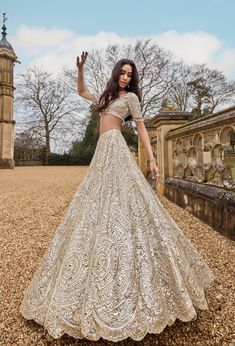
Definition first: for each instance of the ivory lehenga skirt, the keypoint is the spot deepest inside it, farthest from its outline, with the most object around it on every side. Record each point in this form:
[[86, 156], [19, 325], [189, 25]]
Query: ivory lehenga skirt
[[118, 265]]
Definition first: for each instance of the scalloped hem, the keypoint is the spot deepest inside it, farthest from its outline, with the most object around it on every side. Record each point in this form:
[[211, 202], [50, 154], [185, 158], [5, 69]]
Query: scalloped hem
[[154, 328]]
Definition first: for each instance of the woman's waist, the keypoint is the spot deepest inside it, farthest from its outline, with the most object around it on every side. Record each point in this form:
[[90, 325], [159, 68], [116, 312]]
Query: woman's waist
[[111, 114], [109, 121]]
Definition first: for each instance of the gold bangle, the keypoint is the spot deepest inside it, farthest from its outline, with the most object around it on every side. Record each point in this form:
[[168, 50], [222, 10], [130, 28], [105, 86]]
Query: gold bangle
[[152, 160]]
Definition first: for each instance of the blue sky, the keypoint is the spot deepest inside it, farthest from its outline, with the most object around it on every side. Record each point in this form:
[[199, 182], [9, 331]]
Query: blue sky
[[129, 17], [197, 31]]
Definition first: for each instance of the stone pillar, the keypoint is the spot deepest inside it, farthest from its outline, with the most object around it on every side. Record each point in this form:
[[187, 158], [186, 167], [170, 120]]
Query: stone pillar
[[158, 127], [7, 60], [142, 156]]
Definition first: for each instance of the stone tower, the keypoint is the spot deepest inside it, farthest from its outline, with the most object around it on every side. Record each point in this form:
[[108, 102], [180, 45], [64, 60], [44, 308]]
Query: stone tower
[[7, 61]]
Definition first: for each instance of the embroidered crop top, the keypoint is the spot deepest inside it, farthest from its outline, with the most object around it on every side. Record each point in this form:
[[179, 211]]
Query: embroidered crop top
[[123, 106]]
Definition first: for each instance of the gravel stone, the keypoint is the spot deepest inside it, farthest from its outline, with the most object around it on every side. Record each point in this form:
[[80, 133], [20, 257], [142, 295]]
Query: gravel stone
[[32, 202]]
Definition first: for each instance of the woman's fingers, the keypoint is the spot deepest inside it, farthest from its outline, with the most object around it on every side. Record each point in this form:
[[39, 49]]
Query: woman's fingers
[[81, 60], [155, 175], [84, 56]]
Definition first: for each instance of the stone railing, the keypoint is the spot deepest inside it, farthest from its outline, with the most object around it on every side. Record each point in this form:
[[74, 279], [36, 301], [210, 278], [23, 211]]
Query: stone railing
[[197, 164], [201, 150]]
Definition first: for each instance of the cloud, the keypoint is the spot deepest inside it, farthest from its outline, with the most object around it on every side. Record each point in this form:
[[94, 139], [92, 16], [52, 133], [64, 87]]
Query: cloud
[[193, 47], [55, 48], [226, 63], [35, 41]]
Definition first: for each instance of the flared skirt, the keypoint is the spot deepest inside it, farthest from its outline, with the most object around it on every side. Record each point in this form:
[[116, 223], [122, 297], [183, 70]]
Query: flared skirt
[[117, 265]]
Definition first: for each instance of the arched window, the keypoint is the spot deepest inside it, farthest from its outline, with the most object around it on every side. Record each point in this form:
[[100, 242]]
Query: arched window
[[232, 139]]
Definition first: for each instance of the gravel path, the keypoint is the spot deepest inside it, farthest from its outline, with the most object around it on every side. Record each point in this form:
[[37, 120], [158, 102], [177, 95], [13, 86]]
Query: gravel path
[[31, 204]]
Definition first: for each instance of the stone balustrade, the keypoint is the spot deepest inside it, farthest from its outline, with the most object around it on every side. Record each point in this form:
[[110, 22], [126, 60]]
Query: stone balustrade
[[200, 153], [202, 150]]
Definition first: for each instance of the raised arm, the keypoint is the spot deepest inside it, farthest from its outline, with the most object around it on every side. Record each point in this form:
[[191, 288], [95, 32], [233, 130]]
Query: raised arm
[[81, 85]]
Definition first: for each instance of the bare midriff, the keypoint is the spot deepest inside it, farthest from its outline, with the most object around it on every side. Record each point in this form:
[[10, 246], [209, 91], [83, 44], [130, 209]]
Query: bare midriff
[[109, 121]]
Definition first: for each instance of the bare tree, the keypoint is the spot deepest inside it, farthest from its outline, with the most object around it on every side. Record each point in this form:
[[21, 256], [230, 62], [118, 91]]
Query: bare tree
[[199, 89], [209, 90], [156, 73], [96, 73], [46, 107], [179, 93], [195, 89], [26, 141], [153, 63], [27, 147]]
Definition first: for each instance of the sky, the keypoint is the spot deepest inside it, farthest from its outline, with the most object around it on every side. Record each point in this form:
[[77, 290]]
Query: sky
[[52, 33]]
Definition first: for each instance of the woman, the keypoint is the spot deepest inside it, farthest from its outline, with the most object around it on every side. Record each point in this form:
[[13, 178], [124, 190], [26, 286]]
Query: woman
[[118, 265], [122, 87]]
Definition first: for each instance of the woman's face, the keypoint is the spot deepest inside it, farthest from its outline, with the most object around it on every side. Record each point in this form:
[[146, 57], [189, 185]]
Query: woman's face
[[125, 76]]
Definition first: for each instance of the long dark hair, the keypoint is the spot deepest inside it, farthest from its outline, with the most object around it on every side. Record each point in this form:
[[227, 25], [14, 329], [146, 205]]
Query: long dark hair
[[111, 92]]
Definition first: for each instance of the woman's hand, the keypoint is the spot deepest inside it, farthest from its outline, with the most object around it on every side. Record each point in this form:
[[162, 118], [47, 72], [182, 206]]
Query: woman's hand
[[81, 61], [154, 171]]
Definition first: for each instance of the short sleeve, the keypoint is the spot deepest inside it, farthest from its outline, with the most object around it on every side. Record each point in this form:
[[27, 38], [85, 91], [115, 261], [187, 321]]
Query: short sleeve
[[134, 107]]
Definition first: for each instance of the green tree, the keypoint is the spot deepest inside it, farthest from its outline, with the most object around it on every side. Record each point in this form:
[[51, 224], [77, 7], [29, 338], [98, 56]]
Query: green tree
[[83, 151], [130, 136], [201, 93], [209, 90]]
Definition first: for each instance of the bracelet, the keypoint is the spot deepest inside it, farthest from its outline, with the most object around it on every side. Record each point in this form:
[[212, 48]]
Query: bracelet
[[152, 160]]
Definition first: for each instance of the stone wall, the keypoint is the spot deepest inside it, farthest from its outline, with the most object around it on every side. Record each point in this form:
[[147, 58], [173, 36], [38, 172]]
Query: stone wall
[[201, 151], [213, 205], [197, 163]]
